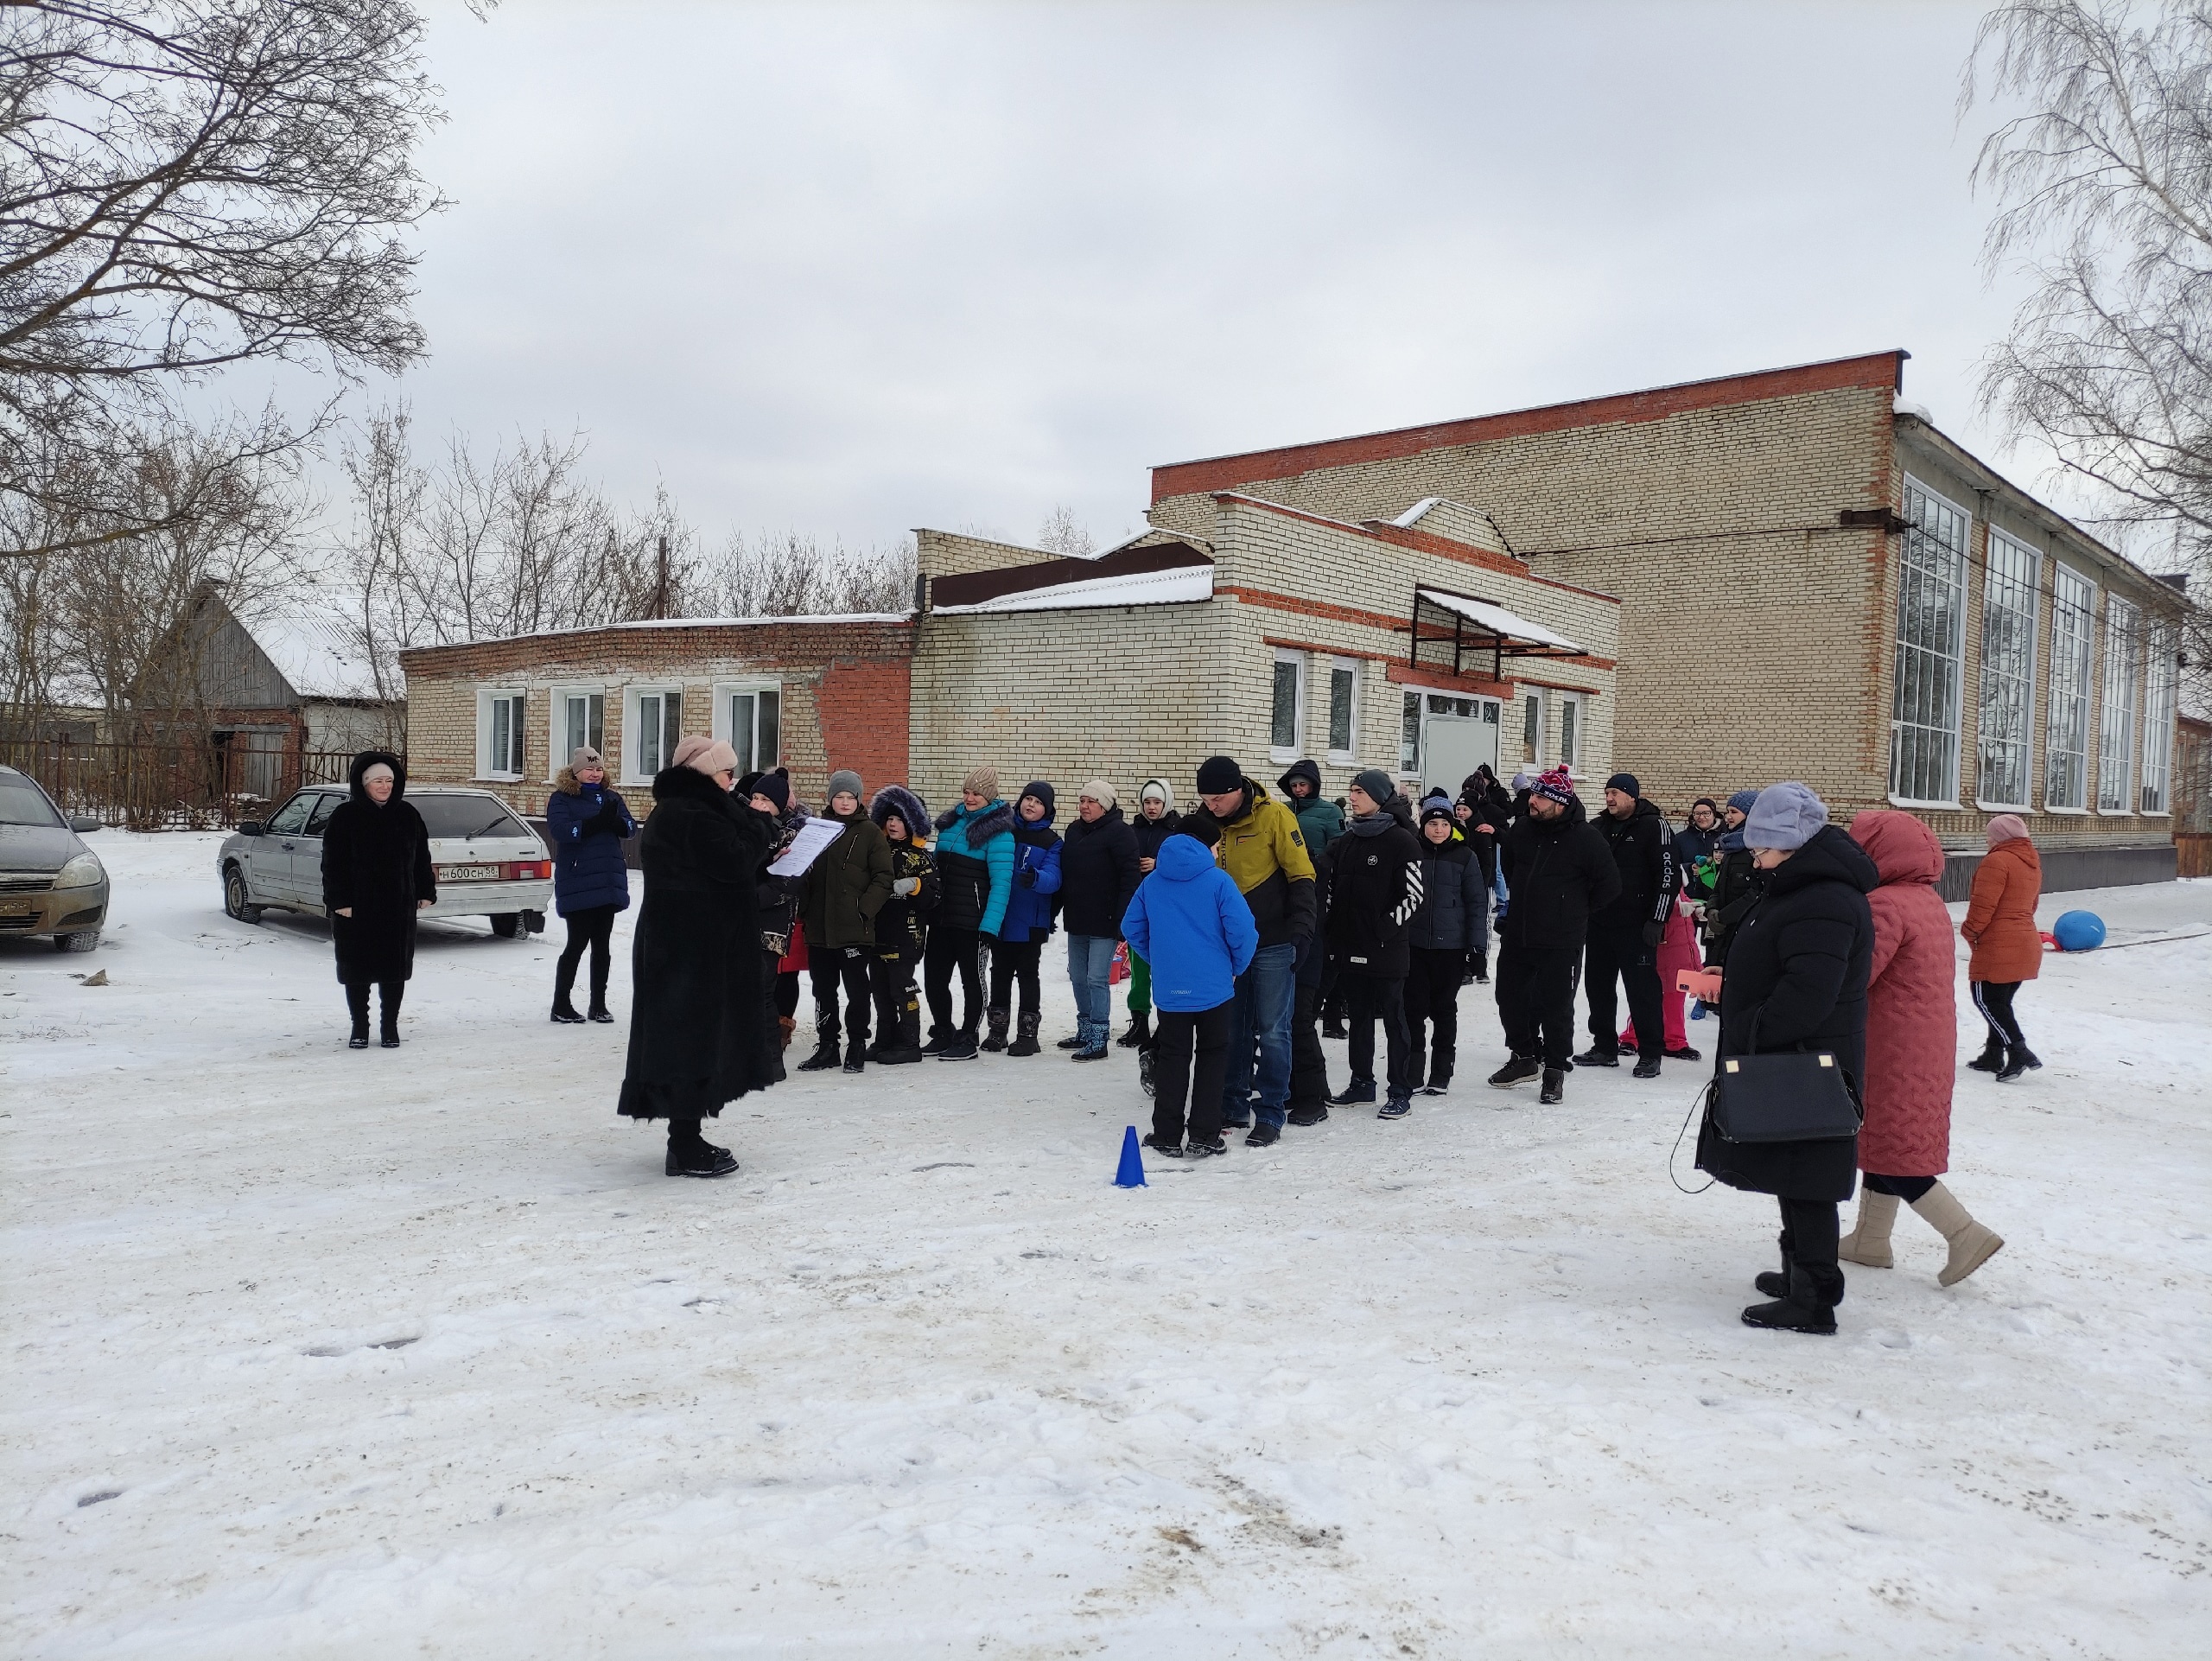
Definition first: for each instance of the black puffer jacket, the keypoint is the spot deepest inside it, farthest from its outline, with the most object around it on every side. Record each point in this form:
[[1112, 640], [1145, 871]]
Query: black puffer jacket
[[1098, 873], [1375, 888], [700, 1018], [1643, 847], [1150, 833], [1453, 893], [1736, 889], [376, 864], [1558, 872], [1796, 980]]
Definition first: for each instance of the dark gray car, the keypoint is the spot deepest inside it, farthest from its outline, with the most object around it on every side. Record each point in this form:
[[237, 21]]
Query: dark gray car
[[51, 884]]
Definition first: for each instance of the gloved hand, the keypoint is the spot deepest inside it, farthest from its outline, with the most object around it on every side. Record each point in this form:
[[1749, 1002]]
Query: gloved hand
[[1024, 879], [609, 817], [1653, 932], [906, 885]]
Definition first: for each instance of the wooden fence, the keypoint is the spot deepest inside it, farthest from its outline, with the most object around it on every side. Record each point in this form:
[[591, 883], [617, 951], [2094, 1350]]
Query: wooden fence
[[192, 784]]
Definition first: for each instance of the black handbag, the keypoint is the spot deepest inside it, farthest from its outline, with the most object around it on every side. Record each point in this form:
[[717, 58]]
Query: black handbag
[[1789, 1096]]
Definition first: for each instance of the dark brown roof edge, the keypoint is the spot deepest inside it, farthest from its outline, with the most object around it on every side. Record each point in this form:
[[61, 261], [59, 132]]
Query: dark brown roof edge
[[976, 587]]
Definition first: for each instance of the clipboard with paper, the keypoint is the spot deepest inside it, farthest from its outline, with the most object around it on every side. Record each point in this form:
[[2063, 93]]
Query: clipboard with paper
[[806, 847]]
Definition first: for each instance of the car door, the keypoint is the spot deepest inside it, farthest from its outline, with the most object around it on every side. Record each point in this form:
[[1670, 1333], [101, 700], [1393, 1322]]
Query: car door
[[271, 868], [306, 861]]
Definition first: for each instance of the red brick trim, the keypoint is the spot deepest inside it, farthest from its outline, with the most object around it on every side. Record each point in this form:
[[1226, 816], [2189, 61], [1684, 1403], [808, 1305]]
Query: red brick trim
[[1438, 680], [1427, 542], [1880, 370]]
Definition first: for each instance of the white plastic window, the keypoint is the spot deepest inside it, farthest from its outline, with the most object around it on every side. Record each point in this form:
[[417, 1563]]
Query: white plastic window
[[1287, 705], [1931, 625], [2116, 728], [2066, 727], [499, 733], [2008, 673]]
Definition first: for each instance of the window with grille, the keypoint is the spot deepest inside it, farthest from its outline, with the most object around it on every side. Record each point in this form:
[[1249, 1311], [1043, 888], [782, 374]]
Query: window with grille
[[655, 726], [2008, 672], [1344, 706], [2066, 727], [2116, 726], [498, 734], [1931, 623], [1289, 692], [2160, 680]]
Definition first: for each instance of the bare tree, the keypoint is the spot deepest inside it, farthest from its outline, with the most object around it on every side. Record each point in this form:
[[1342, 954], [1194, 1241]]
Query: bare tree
[[2104, 196], [791, 575], [186, 185], [1062, 534]]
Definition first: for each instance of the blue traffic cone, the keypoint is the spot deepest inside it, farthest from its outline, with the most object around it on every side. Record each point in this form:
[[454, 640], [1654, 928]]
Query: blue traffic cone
[[1131, 1175]]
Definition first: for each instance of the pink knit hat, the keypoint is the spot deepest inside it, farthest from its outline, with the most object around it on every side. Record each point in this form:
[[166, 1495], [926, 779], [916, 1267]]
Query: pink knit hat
[[704, 755], [2007, 827]]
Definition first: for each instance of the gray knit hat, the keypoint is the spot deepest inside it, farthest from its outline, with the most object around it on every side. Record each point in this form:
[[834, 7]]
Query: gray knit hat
[[1786, 816], [845, 780]]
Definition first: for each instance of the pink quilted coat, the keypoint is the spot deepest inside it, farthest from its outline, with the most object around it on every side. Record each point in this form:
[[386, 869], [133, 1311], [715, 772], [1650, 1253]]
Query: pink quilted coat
[[1913, 1011]]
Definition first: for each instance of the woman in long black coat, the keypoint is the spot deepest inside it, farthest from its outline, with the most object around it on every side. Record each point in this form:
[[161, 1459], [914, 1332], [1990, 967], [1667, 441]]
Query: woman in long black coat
[[1796, 980], [699, 1031], [376, 875]]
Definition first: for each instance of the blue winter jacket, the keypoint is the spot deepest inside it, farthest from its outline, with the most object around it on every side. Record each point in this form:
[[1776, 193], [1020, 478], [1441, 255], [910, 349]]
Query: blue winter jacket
[[588, 867], [1189, 922], [1029, 910]]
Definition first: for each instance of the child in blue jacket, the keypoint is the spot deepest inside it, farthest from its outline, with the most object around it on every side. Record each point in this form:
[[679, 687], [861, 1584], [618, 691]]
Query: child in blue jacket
[[1190, 923]]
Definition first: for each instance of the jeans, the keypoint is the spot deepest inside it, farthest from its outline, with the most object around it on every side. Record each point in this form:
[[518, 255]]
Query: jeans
[[1090, 959], [1259, 1020], [1182, 1031]]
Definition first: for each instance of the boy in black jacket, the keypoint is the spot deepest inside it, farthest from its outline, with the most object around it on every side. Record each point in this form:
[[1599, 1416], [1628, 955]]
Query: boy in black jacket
[[1375, 888], [901, 930]]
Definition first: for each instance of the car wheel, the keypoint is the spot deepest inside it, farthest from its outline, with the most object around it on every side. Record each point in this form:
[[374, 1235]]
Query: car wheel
[[83, 940], [234, 896], [506, 924]]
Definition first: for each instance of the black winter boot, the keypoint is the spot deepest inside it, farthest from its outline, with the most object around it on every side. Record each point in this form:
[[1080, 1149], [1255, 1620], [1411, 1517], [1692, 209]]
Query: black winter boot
[[959, 1047], [1139, 1031], [1992, 1058], [357, 1004], [1772, 1284], [1554, 1089], [902, 1046], [1517, 1071], [564, 983], [599, 1009], [389, 993], [826, 1054], [1810, 1307], [1024, 1039], [994, 1036], [855, 1057], [2018, 1058]]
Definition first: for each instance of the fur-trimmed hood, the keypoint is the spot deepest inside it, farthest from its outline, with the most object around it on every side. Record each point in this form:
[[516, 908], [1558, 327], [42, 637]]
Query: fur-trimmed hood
[[907, 805], [568, 784], [981, 826]]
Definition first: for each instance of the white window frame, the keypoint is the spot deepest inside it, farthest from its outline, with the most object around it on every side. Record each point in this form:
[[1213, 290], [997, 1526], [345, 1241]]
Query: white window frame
[[633, 731], [1348, 755], [1522, 699], [1579, 703], [557, 747], [1917, 741], [2076, 651], [748, 756], [1284, 655], [2116, 735], [517, 728], [2161, 697], [1410, 707], [2001, 589]]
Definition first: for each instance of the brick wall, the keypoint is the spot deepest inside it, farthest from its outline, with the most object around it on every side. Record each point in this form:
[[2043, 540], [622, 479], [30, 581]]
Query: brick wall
[[843, 681], [950, 553]]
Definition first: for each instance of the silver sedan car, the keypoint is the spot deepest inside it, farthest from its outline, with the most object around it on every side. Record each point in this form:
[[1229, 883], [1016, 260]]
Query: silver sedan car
[[50, 883], [489, 862]]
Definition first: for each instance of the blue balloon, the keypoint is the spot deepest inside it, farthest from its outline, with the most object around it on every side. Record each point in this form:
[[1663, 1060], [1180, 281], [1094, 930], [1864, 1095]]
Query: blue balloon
[[2079, 930]]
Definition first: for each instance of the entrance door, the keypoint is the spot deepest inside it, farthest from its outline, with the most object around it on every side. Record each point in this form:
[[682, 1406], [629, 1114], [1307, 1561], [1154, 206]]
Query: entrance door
[[1458, 736]]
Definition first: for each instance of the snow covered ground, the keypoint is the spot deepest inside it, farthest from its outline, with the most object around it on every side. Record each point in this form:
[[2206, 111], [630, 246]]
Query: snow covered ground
[[313, 1352]]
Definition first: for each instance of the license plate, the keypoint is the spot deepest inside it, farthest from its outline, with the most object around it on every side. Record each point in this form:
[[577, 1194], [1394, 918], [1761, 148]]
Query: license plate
[[469, 874], [16, 907]]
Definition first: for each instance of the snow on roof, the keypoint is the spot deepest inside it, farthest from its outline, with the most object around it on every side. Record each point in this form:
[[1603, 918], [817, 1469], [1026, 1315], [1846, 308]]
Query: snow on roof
[[1179, 585], [313, 654], [1412, 516], [1498, 621]]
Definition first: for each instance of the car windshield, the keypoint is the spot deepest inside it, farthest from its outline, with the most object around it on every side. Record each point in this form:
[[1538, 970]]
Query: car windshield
[[460, 818], [22, 802]]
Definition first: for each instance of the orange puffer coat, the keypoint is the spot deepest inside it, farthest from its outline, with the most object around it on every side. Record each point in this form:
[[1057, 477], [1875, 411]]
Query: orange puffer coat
[[2000, 921], [1912, 1005]]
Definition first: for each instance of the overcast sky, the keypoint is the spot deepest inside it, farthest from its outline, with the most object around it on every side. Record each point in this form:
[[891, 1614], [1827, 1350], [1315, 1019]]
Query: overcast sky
[[850, 270]]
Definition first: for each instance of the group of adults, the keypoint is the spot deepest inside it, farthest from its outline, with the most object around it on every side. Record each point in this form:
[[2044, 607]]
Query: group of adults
[[1243, 919]]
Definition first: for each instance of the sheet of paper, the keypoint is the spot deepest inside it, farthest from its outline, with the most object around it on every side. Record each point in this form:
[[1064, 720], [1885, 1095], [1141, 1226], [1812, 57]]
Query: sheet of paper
[[806, 847]]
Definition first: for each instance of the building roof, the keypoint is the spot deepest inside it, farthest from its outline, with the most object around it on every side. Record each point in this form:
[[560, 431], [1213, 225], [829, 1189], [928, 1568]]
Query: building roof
[[1495, 620], [311, 650], [1135, 573], [1177, 585], [1880, 371]]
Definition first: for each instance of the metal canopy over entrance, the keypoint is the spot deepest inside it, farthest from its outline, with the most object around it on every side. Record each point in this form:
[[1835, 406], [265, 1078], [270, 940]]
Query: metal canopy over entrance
[[1450, 629]]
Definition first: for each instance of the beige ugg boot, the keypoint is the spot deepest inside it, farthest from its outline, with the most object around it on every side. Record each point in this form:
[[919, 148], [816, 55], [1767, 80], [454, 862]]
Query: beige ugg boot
[[1972, 1245], [1869, 1243]]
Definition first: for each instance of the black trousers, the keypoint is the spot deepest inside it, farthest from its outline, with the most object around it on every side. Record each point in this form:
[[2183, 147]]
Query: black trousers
[[1810, 1235], [1367, 1001], [1621, 953], [1180, 1035], [1910, 1189], [1433, 1009], [787, 987], [949, 948], [1536, 1000], [830, 968], [1994, 1000], [589, 927], [1014, 965], [892, 974], [1309, 1063], [357, 1002]]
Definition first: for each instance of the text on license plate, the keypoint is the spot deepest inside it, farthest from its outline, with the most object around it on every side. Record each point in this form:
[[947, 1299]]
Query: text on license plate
[[16, 907], [468, 873]]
